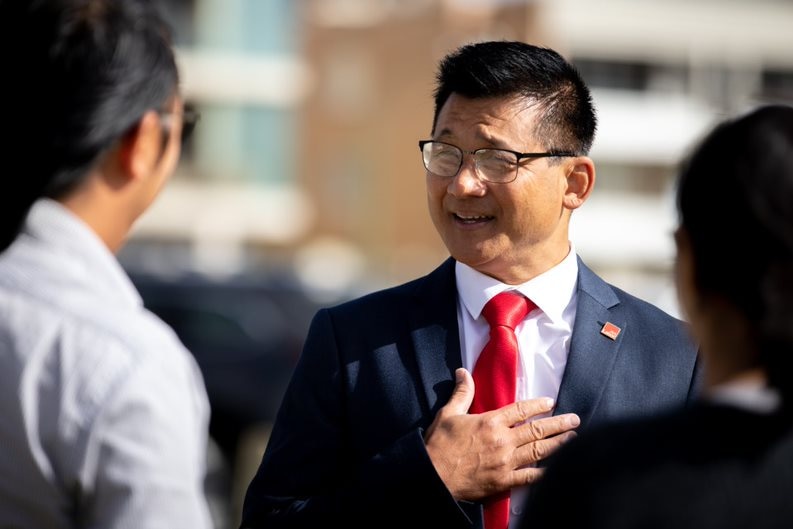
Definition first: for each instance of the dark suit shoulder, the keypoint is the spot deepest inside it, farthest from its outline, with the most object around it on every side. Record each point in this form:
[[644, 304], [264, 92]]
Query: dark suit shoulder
[[653, 324], [719, 466], [645, 309], [696, 433], [610, 296]]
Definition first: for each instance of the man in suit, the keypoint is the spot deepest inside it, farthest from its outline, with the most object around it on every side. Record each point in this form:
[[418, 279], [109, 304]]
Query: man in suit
[[374, 429]]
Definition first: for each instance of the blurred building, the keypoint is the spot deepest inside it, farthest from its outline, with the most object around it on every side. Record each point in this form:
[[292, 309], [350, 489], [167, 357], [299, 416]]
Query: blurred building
[[306, 154]]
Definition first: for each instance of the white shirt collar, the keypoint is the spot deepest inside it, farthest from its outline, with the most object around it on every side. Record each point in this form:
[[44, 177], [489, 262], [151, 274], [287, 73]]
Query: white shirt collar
[[79, 250], [551, 291], [751, 395]]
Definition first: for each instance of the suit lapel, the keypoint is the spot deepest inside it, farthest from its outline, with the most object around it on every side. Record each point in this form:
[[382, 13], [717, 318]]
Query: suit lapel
[[592, 355], [435, 335]]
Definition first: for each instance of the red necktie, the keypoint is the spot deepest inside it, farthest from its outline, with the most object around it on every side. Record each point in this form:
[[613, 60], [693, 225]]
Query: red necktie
[[495, 377]]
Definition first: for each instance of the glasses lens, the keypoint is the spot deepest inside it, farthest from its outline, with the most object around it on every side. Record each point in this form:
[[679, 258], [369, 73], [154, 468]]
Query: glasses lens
[[442, 159], [496, 165]]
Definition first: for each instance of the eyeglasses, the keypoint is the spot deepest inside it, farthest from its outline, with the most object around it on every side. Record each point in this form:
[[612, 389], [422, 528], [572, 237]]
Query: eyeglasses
[[190, 118], [499, 166]]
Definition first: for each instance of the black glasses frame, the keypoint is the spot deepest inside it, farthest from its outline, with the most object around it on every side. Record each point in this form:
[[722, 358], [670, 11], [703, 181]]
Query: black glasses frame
[[518, 155]]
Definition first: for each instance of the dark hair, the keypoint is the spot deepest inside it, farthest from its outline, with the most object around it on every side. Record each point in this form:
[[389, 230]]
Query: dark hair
[[506, 68], [78, 74], [735, 201]]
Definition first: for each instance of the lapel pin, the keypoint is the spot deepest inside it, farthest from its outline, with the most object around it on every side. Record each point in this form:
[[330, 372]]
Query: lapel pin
[[610, 330]]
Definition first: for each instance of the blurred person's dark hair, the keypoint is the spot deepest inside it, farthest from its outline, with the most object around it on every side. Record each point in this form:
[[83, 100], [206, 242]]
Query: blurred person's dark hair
[[542, 76], [78, 75], [735, 201]]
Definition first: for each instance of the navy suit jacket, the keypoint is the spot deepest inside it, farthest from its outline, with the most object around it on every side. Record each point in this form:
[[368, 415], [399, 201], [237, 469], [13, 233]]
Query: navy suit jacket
[[347, 446]]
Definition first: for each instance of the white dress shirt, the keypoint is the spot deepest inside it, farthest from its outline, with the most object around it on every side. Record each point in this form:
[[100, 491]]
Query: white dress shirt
[[103, 412], [543, 336]]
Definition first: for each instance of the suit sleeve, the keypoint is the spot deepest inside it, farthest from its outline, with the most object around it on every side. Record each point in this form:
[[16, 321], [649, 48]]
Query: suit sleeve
[[313, 472]]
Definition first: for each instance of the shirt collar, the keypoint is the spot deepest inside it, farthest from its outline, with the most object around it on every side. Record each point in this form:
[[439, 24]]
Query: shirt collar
[[551, 291], [751, 395], [51, 222]]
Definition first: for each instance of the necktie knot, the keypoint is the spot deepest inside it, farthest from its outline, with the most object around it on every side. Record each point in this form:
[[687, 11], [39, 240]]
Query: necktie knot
[[507, 309]]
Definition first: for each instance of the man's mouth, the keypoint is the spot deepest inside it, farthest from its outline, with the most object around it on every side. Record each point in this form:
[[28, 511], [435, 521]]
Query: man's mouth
[[472, 219]]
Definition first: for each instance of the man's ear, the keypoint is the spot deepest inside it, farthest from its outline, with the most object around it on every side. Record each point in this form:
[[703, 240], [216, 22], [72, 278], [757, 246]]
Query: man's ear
[[580, 181], [142, 146]]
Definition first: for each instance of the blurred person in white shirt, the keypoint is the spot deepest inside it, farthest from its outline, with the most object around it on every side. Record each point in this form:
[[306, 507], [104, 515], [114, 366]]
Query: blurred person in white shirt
[[104, 412]]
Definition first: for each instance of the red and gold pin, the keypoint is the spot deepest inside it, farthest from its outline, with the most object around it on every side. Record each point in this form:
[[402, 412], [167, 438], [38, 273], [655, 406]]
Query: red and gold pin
[[610, 330]]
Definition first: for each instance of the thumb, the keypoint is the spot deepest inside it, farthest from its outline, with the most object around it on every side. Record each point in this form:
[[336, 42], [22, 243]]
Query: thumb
[[463, 394]]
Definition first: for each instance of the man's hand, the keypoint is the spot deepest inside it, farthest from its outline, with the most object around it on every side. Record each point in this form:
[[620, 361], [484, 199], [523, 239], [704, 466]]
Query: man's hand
[[479, 455]]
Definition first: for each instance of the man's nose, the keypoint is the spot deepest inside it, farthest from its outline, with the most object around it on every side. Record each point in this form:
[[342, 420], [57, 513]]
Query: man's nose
[[467, 181]]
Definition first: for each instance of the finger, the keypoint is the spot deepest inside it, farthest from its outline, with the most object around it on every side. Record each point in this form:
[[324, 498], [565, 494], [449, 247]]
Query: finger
[[522, 410], [463, 394], [536, 451], [546, 427], [525, 476]]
